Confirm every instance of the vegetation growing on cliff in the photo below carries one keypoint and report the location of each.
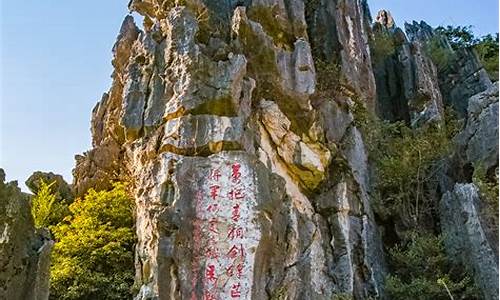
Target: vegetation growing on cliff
(421, 270)
(408, 162)
(329, 78)
(488, 189)
(93, 255)
(46, 208)
(381, 45)
(486, 47)
(407, 166)
(441, 56)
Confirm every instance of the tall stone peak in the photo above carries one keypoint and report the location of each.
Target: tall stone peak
(237, 124)
(215, 114)
(385, 19)
(419, 30)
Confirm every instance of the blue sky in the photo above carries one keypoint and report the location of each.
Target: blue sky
(55, 60)
(481, 14)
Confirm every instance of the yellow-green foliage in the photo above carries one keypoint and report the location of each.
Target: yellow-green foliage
(342, 296)
(277, 29)
(421, 270)
(45, 208)
(93, 255)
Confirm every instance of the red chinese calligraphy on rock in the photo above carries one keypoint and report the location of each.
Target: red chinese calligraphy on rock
(210, 274)
(211, 251)
(236, 290)
(235, 251)
(212, 225)
(235, 232)
(239, 270)
(230, 270)
(235, 172)
(213, 208)
(209, 296)
(236, 194)
(214, 191)
(236, 213)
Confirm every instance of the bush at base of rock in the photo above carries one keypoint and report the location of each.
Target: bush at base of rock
(93, 257)
(421, 270)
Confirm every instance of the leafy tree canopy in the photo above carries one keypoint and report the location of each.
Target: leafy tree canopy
(93, 257)
(47, 209)
(486, 46)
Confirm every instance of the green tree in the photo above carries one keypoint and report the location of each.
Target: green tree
(421, 270)
(487, 50)
(441, 56)
(459, 36)
(382, 45)
(93, 256)
(46, 209)
(462, 37)
(406, 164)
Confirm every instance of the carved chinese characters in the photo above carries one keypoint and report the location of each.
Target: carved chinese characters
(226, 234)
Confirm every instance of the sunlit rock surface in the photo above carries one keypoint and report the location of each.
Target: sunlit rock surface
(251, 180)
(24, 251)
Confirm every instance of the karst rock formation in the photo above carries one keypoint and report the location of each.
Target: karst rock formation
(237, 125)
(251, 179)
(24, 251)
(245, 185)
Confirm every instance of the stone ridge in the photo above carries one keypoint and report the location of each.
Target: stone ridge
(24, 251)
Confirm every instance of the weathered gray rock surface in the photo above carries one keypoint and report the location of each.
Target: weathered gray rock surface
(477, 143)
(407, 79)
(465, 237)
(59, 187)
(212, 90)
(469, 229)
(463, 76)
(252, 179)
(24, 252)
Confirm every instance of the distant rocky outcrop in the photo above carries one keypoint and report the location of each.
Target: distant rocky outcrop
(462, 77)
(407, 79)
(59, 186)
(24, 251)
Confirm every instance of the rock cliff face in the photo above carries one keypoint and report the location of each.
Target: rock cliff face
(24, 253)
(466, 237)
(463, 77)
(471, 237)
(245, 186)
(407, 79)
(410, 88)
(250, 174)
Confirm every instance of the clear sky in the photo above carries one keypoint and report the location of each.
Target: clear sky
(55, 64)
(481, 14)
